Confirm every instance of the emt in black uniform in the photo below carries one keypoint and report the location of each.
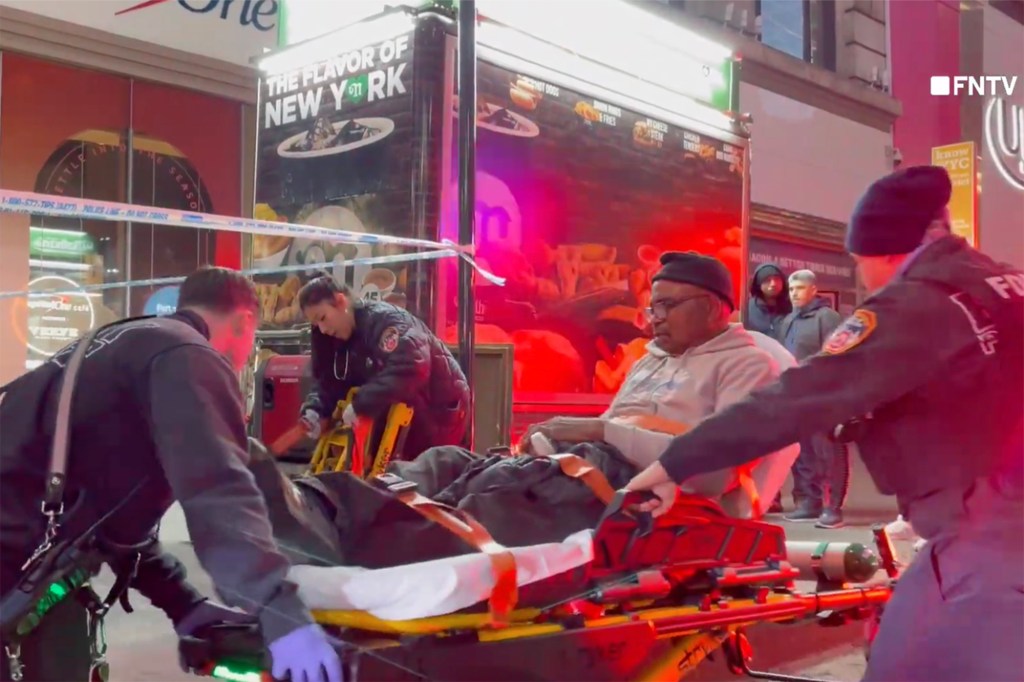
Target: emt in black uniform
(391, 356)
(927, 376)
(158, 401)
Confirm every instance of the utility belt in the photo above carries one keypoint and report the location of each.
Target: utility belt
(59, 570)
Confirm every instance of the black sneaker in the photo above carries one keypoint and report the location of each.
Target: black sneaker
(803, 514)
(830, 519)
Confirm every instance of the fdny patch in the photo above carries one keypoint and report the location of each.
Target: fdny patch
(389, 340)
(851, 333)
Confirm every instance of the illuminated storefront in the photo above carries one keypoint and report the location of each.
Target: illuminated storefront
(971, 40)
(592, 160)
(1001, 139)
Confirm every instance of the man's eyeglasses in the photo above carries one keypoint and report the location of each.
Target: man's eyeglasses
(660, 309)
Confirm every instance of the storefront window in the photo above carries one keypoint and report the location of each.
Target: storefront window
(89, 151)
(804, 29)
(67, 252)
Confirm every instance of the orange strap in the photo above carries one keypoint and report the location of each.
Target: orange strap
(360, 437)
(288, 439)
(505, 593)
(744, 474)
(593, 478)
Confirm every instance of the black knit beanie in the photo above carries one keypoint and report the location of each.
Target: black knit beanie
(894, 213)
(700, 271)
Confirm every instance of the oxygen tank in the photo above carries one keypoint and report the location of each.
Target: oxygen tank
(834, 562)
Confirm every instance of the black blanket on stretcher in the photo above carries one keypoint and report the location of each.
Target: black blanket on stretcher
(337, 519)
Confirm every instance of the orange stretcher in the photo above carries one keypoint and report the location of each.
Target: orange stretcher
(659, 596)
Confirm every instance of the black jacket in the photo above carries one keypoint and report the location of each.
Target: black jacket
(931, 363)
(392, 357)
(805, 330)
(154, 401)
(762, 317)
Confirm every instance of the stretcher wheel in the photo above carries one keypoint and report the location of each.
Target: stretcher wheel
(738, 653)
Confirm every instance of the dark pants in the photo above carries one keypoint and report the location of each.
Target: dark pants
(57, 650)
(957, 612)
(821, 474)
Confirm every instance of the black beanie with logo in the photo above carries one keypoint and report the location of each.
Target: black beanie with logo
(895, 211)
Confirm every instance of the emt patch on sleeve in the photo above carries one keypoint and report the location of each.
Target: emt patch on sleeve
(389, 340)
(851, 333)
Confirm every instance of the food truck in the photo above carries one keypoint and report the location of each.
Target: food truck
(593, 157)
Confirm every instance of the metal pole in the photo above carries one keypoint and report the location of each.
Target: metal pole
(467, 188)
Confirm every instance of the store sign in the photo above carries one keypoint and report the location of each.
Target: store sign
(834, 270)
(335, 134)
(958, 160)
(259, 14)
(55, 320)
(234, 31)
(356, 77)
(59, 244)
(1004, 139)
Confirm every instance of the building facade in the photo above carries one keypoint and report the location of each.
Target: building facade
(120, 102)
(973, 39)
(815, 78)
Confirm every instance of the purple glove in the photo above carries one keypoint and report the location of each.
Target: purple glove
(305, 655)
(207, 612)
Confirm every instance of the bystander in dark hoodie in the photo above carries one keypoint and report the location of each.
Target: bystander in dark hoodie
(769, 302)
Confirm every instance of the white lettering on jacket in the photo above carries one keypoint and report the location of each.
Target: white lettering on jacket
(1004, 284)
(988, 336)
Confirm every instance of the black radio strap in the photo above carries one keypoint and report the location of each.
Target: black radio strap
(53, 498)
(56, 480)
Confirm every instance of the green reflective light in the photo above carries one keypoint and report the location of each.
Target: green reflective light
(58, 590)
(222, 672)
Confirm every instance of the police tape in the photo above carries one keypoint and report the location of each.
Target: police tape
(53, 206)
(163, 281)
(89, 209)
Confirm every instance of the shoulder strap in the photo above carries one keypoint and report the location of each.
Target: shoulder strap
(53, 499)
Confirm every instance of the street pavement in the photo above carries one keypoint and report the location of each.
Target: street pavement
(142, 645)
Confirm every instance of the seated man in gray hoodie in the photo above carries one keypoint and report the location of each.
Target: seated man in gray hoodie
(821, 474)
(697, 364)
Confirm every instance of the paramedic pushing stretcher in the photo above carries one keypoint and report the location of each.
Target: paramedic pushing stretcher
(391, 356)
(157, 401)
(927, 376)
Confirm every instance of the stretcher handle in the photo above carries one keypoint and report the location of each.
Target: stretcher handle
(623, 503)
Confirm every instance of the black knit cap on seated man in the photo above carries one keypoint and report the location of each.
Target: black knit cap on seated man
(158, 417)
(685, 278)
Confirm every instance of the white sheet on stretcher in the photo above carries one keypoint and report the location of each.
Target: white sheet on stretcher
(432, 588)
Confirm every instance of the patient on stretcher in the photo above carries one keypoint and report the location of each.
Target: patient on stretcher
(337, 519)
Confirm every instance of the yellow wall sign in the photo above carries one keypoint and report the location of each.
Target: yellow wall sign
(958, 160)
